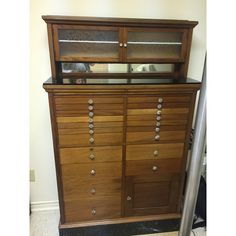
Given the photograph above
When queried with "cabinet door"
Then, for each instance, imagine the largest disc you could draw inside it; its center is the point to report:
(148, 195)
(87, 43)
(155, 45)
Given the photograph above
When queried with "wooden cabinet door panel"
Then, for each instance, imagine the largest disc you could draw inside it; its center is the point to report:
(151, 195)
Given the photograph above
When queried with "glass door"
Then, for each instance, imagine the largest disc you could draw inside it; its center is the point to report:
(155, 45)
(87, 43)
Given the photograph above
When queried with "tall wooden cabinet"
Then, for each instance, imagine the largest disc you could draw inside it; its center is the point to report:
(120, 138)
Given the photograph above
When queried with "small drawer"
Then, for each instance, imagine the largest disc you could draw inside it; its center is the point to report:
(154, 151)
(77, 188)
(92, 209)
(91, 171)
(90, 154)
(136, 137)
(153, 167)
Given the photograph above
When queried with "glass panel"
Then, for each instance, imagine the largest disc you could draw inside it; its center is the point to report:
(154, 44)
(88, 43)
(117, 68)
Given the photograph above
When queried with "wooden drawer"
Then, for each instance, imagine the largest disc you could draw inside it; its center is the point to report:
(88, 154)
(83, 139)
(70, 99)
(145, 167)
(76, 188)
(164, 112)
(102, 170)
(167, 98)
(154, 151)
(135, 137)
(92, 209)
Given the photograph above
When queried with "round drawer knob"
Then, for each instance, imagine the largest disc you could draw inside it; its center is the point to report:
(93, 212)
(158, 112)
(91, 157)
(154, 168)
(91, 114)
(121, 44)
(160, 100)
(90, 120)
(157, 129)
(155, 153)
(91, 132)
(159, 106)
(125, 45)
(91, 126)
(93, 191)
(129, 198)
(91, 140)
(158, 118)
(93, 172)
(158, 124)
(157, 137)
(90, 108)
(90, 101)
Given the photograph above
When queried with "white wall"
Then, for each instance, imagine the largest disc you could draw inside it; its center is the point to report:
(41, 150)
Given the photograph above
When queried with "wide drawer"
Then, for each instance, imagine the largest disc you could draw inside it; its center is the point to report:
(76, 188)
(133, 137)
(153, 167)
(92, 209)
(90, 154)
(84, 139)
(91, 171)
(154, 151)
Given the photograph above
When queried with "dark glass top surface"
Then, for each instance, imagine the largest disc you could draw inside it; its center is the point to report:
(121, 81)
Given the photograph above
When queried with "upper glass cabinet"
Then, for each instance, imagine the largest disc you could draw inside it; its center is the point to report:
(87, 43)
(155, 44)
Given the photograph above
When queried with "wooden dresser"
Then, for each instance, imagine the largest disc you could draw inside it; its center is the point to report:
(121, 113)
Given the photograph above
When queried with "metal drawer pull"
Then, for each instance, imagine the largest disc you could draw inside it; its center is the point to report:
(125, 45)
(91, 140)
(155, 153)
(90, 108)
(91, 114)
(90, 120)
(91, 132)
(91, 126)
(159, 106)
(158, 124)
(160, 100)
(93, 172)
(93, 211)
(157, 137)
(158, 112)
(93, 191)
(158, 118)
(129, 198)
(154, 168)
(121, 44)
(157, 129)
(90, 101)
(91, 157)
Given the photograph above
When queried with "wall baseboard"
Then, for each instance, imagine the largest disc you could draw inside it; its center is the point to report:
(44, 206)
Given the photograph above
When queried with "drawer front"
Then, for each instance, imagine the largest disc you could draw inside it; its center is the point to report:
(153, 137)
(153, 167)
(90, 154)
(85, 139)
(154, 151)
(77, 188)
(92, 209)
(91, 171)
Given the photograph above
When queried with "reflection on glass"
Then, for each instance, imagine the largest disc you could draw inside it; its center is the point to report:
(116, 68)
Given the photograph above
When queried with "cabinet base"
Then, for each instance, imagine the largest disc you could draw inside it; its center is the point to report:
(123, 226)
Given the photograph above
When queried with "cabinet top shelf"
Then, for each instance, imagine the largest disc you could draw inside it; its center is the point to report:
(119, 21)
